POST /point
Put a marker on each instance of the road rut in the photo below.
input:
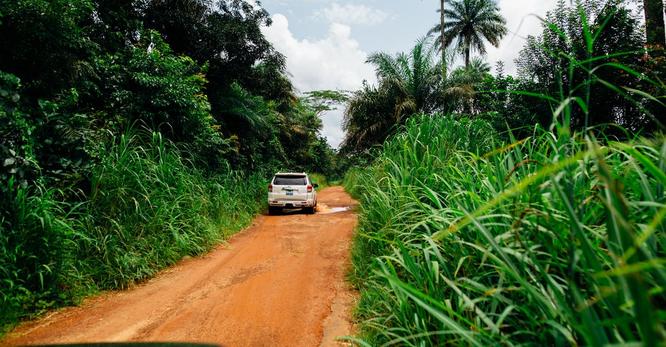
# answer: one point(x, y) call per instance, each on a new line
point(278, 283)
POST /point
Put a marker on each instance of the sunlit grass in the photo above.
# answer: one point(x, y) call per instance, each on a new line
point(545, 241)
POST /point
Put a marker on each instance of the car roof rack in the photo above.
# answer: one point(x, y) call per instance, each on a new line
point(291, 173)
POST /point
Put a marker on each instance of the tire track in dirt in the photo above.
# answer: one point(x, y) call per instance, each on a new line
point(278, 283)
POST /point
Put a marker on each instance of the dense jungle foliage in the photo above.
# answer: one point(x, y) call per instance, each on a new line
point(133, 133)
point(514, 210)
point(496, 209)
point(588, 48)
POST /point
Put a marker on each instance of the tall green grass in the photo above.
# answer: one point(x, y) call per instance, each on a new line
point(319, 179)
point(551, 240)
point(148, 208)
point(35, 252)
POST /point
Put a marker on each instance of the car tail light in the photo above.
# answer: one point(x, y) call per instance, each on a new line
point(309, 188)
point(270, 188)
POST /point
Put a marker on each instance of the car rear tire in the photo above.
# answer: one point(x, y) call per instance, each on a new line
point(310, 210)
point(272, 210)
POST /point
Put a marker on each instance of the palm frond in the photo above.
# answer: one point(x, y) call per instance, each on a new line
point(469, 25)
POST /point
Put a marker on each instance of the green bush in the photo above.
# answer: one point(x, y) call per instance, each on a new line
point(17, 146)
point(552, 240)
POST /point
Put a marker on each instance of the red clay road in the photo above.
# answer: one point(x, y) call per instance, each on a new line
point(281, 282)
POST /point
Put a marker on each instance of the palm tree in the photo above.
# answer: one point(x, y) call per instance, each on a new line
point(408, 83)
point(462, 84)
point(468, 24)
point(414, 74)
point(442, 43)
point(369, 117)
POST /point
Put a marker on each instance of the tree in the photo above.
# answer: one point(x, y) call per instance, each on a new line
point(117, 23)
point(224, 34)
point(415, 75)
point(44, 43)
point(325, 100)
point(408, 84)
point(369, 117)
point(462, 85)
point(442, 37)
point(615, 66)
point(654, 22)
point(468, 24)
point(242, 64)
point(499, 99)
point(151, 87)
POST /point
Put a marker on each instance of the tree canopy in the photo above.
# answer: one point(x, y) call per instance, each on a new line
point(408, 83)
point(469, 24)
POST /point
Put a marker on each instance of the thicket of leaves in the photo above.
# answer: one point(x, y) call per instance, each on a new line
point(560, 59)
point(628, 81)
point(200, 75)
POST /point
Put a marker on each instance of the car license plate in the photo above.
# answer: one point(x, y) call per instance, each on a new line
point(290, 193)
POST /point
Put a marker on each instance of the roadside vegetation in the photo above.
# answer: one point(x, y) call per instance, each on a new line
point(496, 208)
point(319, 179)
point(133, 133)
point(523, 210)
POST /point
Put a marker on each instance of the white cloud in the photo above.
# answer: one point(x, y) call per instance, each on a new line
point(333, 62)
point(522, 20)
point(352, 14)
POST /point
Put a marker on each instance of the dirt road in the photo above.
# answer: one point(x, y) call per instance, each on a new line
point(278, 283)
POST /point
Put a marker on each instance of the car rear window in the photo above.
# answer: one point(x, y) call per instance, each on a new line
point(289, 181)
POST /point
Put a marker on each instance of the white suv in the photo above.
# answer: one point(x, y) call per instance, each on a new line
point(291, 190)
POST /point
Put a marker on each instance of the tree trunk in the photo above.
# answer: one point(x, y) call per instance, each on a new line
point(654, 22)
point(468, 55)
point(443, 42)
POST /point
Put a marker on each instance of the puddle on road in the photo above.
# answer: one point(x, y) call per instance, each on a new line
point(322, 209)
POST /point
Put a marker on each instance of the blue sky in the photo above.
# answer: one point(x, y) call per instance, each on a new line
point(327, 42)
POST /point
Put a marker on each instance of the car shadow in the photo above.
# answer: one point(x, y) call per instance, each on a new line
point(290, 212)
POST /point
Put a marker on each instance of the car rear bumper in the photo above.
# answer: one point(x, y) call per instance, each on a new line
point(291, 203)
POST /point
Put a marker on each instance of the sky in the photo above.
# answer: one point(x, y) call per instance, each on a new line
point(326, 43)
